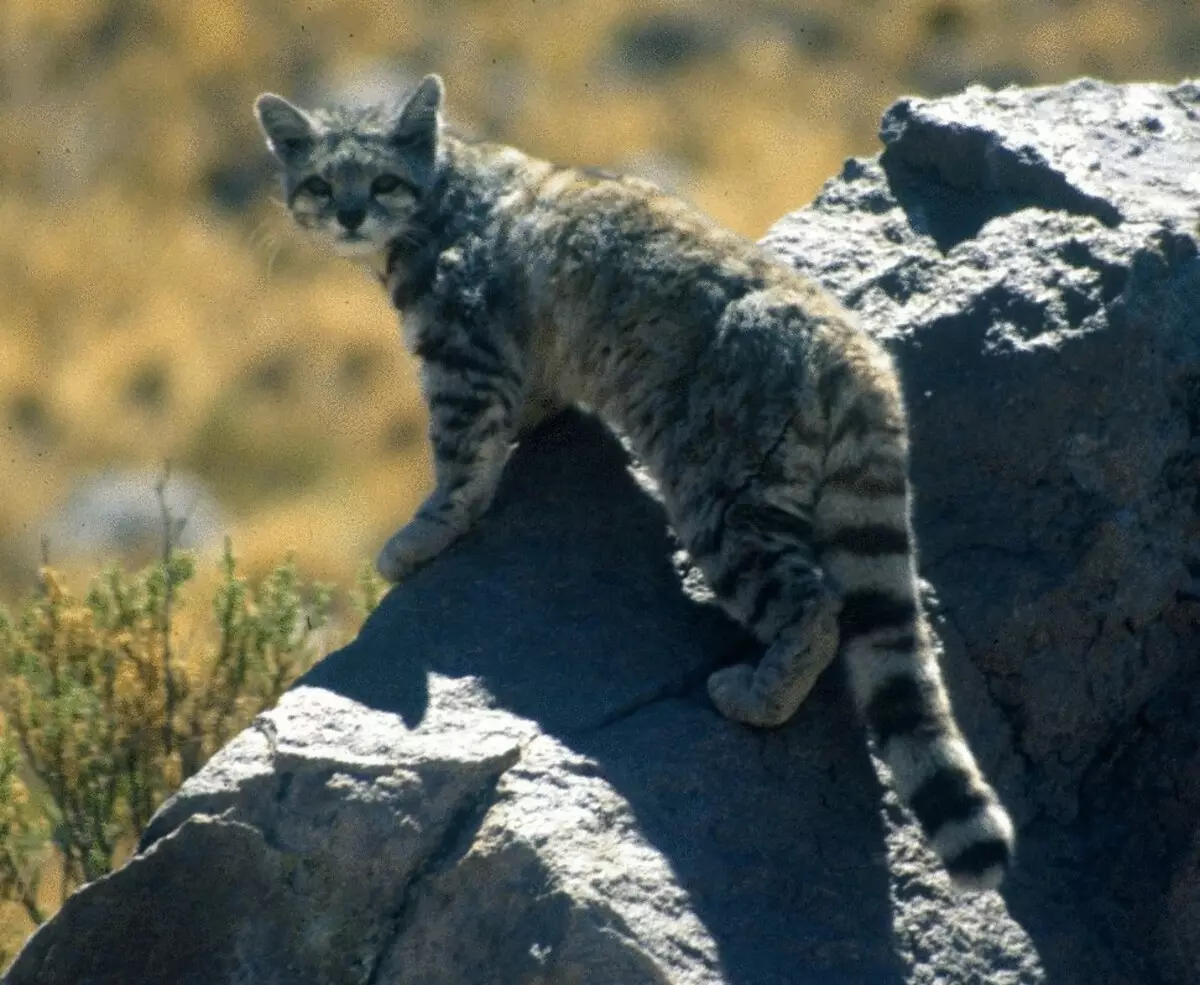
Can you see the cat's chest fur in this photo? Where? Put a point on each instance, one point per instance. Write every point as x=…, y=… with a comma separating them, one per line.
x=492, y=291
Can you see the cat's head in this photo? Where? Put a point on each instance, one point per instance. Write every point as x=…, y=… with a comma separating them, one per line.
x=356, y=175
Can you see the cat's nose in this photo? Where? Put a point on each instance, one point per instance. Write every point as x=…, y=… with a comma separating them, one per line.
x=351, y=218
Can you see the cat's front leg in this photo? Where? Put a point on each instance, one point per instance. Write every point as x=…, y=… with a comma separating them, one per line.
x=475, y=398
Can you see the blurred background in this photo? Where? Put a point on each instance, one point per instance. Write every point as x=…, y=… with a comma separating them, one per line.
x=155, y=305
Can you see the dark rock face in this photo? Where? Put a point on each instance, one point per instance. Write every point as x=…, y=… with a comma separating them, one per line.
x=513, y=774
x=1031, y=256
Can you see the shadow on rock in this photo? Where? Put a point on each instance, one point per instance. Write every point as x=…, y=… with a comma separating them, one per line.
x=565, y=605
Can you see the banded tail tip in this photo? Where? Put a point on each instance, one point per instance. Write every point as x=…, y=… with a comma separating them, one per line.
x=978, y=851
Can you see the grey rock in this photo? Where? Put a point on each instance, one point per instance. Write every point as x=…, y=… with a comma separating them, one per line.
x=118, y=512
x=513, y=773
x=331, y=844
x=1030, y=256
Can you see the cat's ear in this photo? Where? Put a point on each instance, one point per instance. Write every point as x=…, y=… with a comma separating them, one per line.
x=417, y=124
x=290, y=133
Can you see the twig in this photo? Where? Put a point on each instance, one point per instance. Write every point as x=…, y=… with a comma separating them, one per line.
x=168, y=597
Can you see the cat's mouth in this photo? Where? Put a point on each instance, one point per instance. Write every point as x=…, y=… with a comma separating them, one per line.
x=354, y=244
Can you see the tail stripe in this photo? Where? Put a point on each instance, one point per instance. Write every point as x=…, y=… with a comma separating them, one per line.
x=852, y=478
x=949, y=795
x=871, y=540
x=898, y=707
x=866, y=611
x=981, y=857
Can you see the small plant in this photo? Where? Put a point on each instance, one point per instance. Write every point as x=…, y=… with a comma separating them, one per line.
x=368, y=590
x=109, y=701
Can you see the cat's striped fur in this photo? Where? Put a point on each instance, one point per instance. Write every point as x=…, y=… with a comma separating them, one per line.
x=773, y=425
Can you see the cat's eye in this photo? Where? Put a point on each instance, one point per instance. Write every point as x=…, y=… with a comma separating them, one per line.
x=316, y=186
x=385, y=184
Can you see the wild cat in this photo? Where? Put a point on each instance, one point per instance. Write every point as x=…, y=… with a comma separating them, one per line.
x=773, y=425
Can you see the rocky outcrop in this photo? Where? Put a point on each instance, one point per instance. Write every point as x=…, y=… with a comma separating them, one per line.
x=514, y=775
x=1031, y=255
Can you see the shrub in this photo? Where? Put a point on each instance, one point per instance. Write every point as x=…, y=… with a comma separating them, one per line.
x=109, y=701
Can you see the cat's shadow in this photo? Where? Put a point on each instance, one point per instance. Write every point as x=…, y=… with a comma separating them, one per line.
x=566, y=605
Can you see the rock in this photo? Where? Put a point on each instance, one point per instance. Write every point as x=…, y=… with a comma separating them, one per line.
x=347, y=849
x=118, y=513
x=514, y=775
x=1176, y=938
x=1031, y=258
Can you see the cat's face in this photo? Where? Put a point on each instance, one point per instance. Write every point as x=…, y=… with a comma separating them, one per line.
x=356, y=176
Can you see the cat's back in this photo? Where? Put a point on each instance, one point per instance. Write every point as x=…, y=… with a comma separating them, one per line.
x=627, y=287
x=589, y=231
x=627, y=225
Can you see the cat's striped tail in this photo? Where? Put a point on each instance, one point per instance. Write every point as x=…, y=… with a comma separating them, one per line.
x=867, y=545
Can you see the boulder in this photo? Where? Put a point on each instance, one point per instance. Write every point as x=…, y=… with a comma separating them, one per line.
x=1031, y=258
x=119, y=512
x=514, y=775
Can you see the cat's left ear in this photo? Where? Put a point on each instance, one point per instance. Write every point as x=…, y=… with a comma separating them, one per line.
x=417, y=124
x=290, y=133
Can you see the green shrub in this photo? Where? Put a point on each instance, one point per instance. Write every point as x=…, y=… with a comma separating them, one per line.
x=108, y=702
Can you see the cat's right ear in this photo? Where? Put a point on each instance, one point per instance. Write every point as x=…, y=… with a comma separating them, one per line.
x=417, y=124
x=289, y=132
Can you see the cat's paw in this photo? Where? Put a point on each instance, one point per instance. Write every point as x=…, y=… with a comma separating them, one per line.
x=735, y=696
x=393, y=564
x=412, y=546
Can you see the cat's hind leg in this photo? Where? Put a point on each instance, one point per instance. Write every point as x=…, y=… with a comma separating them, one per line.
x=768, y=694
x=765, y=576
